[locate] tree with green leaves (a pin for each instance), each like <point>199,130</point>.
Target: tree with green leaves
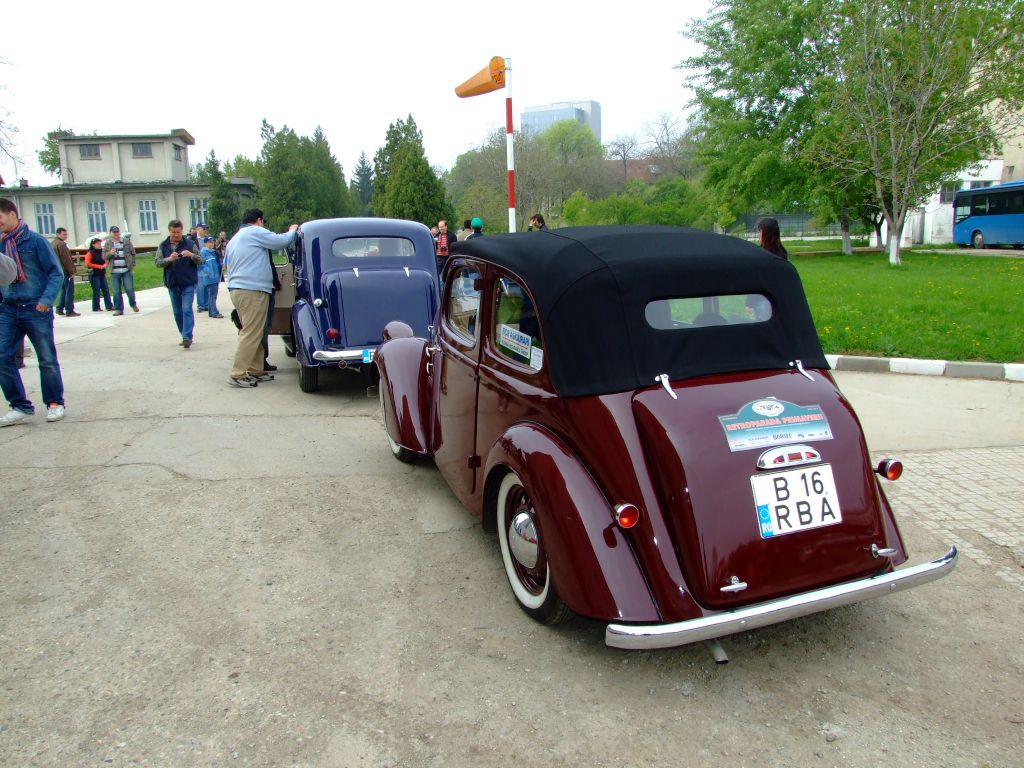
<point>920,89</point>
<point>478,182</point>
<point>49,155</point>
<point>413,190</point>
<point>300,179</point>
<point>361,186</point>
<point>577,160</point>
<point>673,202</point>
<point>399,134</point>
<point>795,96</point>
<point>754,99</point>
<point>223,214</point>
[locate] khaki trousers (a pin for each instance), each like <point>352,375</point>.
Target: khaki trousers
<point>252,311</point>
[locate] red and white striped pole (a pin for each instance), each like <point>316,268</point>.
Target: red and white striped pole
<point>508,148</point>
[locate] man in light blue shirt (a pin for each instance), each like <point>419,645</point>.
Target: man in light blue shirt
<point>250,282</point>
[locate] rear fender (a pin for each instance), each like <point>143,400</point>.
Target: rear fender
<point>308,338</point>
<point>403,382</point>
<point>592,564</point>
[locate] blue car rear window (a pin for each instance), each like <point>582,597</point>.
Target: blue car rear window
<point>372,247</point>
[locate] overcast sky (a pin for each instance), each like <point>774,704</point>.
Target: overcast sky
<point>217,69</point>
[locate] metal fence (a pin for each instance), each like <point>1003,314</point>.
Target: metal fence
<point>795,225</point>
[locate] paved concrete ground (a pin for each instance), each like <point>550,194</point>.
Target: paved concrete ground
<point>192,574</point>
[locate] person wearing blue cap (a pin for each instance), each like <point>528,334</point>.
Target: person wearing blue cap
<point>199,237</point>
<point>478,227</point>
<point>209,276</point>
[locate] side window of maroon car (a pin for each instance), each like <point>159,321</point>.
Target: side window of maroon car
<point>463,307</point>
<point>516,332</point>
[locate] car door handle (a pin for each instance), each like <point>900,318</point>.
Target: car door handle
<point>428,352</point>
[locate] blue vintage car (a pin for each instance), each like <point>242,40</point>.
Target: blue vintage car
<point>350,278</point>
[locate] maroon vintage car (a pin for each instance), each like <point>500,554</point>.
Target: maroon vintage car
<point>646,418</point>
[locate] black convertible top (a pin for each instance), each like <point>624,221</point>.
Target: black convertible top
<point>592,285</point>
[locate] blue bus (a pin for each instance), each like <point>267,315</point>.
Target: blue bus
<point>990,216</point>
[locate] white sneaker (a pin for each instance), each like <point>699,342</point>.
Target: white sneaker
<point>14,416</point>
<point>54,412</point>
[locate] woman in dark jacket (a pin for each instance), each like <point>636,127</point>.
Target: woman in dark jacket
<point>97,266</point>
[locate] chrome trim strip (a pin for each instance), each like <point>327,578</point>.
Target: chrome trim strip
<point>639,637</point>
<point>333,356</point>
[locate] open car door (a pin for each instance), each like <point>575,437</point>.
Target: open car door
<point>281,323</point>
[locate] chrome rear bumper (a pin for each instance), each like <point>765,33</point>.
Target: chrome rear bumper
<point>336,356</point>
<point>638,637</point>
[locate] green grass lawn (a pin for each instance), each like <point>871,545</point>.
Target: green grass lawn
<point>803,246</point>
<point>940,306</point>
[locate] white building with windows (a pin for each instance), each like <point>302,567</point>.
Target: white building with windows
<point>139,183</point>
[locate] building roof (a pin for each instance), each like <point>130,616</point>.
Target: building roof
<point>177,133</point>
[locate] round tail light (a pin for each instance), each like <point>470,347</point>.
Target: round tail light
<point>333,334</point>
<point>627,515</point>
<point>890,469</point>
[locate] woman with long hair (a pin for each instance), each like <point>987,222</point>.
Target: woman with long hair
<point>771,237</point>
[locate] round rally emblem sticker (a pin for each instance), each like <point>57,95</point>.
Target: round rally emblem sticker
<point>768,407</point>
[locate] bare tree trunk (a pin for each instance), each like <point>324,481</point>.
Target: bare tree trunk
<point>844,227</point>
<point>895,233</point>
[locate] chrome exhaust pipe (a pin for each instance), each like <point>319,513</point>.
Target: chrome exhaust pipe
<point>721,657</point>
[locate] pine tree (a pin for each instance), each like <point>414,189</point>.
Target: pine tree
<point>223,214</point>
<point>399,133</point>
<point>362,184</point>
<point>414,192</point>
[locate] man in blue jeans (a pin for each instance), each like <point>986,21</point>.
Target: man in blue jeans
<point>179,258</point>
<point>27,310</point>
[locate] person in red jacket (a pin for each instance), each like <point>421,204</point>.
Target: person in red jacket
<point>97,267</point>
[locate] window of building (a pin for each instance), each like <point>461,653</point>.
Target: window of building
<point>178,153</point>
<point>197,208</point>
<point>46,223</point>
<point>948,192</point>
<point>980,184</point>
<point>147,216</point>
<point>97,216</point>
<point>142,149</point>
<point>89,151</point>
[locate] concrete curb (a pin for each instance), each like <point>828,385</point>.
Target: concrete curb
<point>951,369</point>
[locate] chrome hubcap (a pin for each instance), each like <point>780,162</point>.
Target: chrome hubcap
<point>522,540</point>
